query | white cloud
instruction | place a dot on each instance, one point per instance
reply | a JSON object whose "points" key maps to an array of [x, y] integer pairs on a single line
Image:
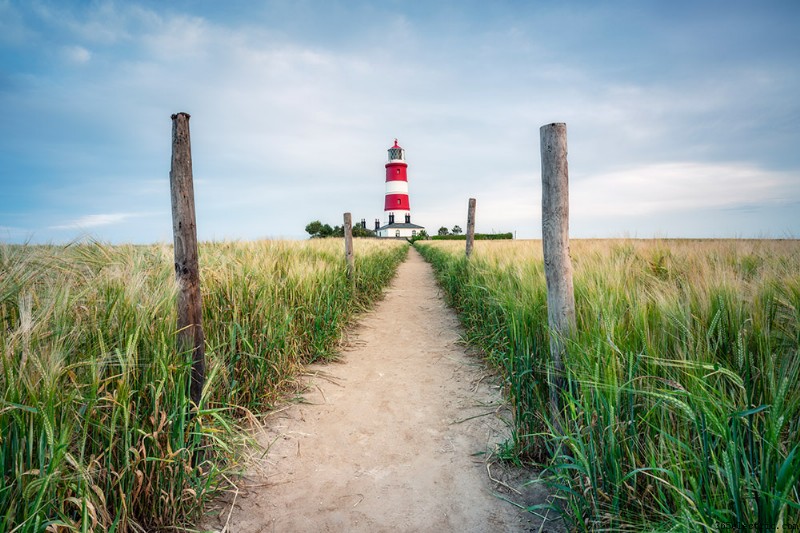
{"points": [[179, 38], [680, 186], [93, 221], [77, 54], [289, 123], [105, 22]]}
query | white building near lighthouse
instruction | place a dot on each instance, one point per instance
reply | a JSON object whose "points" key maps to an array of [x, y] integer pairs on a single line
{"points": [[396, 208]]}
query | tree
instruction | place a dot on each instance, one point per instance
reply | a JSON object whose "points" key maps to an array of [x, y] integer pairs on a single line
{"points": [[421, 236], [443, 231], [456, 230], [314, 229], [359, 231], [317, 229]]}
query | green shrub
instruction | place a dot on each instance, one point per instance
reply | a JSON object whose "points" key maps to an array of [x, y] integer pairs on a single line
{"points": [[478, 237]]}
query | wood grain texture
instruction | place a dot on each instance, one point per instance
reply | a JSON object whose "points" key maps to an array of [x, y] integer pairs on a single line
{"points": [[555, 243], [470, 226], [187, 272], [348, 245]]}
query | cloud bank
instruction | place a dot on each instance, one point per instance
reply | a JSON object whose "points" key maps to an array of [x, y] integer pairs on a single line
{"points": [[673, 118]]}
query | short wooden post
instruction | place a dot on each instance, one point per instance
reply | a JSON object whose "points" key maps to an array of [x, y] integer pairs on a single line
{"points": [[555, 243], [348, 245], [470, 226], [187, 273]]}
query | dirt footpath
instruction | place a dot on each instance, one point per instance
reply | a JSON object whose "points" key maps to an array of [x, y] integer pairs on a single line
{"points": [[398, 437]]}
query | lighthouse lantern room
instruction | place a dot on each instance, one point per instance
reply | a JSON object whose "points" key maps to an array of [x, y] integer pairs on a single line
{"points": [[396, 208]]}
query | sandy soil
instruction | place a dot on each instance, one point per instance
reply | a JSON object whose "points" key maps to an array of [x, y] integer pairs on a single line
{"points": [[399, 436]]}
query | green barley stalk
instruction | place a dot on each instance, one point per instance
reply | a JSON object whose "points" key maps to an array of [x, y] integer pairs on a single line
{"points": [[682, 399], [95, 432]]}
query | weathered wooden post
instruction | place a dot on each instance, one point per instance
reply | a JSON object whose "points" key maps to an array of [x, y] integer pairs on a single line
{"points": [[555, 243], [348, 245], [187, 274], [470, 226]]}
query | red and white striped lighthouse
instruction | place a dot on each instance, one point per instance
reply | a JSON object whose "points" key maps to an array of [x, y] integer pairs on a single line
{"points": [[396, 206]]}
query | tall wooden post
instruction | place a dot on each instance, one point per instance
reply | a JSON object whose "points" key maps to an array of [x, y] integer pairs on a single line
{"points": [[555, 243], [187, 273], [470, 226], [348, 245]]}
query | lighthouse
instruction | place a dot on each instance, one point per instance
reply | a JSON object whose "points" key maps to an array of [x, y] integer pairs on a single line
{"points": [[396, 207]]}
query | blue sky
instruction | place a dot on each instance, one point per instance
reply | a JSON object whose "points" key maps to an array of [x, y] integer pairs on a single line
{"points": [[683, 117]]}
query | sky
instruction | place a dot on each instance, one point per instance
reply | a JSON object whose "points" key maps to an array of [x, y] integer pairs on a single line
{"points": [[683, 117]]}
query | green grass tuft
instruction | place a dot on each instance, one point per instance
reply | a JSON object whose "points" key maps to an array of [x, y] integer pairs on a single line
{"points": [[683, 382], [95, 432]]}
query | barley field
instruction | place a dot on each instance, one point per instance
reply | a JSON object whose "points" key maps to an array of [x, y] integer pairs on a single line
{"points": [[682, 396], [96, 431]]}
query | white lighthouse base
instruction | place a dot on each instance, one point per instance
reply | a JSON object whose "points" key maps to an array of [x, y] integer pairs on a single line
{"points": [[399, 230]]}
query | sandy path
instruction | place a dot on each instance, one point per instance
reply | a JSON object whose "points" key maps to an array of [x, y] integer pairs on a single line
{"points": [[385, 441]]}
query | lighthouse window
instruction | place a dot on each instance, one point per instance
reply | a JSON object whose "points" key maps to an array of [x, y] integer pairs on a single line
{"points": [[398, 201], [398, 171]]}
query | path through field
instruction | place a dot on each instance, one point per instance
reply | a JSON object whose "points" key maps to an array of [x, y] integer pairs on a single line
{"points": [[397, 437]]}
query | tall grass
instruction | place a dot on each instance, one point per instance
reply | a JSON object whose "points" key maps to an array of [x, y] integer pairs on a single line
{"points": [[683, 382], [95, 432]]}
